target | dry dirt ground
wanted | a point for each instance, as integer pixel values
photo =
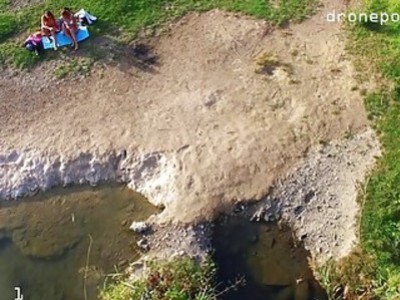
(200, 129)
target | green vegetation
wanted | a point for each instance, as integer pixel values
(73, 67)
(350, 278)
(125, 18)
(7, 26)
(4, 5)
(374, 271)
(182, 279)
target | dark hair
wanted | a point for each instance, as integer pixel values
(66, 12)
(49, 13)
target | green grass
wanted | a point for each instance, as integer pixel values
(125, 18)
(181, 279)
(73, 67)
(4, 4)
(7, 26)
(377, 48)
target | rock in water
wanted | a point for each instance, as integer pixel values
(139, 227)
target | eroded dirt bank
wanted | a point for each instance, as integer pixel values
(200, 129)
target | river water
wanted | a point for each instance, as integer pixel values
(60, 245)
(262, 261)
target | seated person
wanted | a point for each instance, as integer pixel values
(34, 42)
(70, 26)
(50, 26)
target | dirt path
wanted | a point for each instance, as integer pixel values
(197, 131)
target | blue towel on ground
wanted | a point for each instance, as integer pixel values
(63, 40)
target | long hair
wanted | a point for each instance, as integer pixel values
(49, 14)
(66, 13)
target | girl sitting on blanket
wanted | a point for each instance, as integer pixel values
(50, 26)
(70, 26)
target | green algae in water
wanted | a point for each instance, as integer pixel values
(265, 257)
(44, 240)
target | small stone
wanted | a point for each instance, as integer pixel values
(143, 244)
(139, 227)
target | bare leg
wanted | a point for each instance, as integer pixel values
(53, 35)
(75, 40)
(72, 36)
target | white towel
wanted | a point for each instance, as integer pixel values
(84, 14)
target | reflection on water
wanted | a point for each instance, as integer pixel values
(265, 256)
(44, 241)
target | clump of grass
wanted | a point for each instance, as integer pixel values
(73, 67)
(350, 277)
(7, 26)
(14, 55)
(4, 4)
(267, 63)
(181, 279)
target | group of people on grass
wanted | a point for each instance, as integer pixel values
(68, 24)
(50, 26)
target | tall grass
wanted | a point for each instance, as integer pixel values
(181, 279)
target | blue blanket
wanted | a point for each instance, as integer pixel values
(63, 40)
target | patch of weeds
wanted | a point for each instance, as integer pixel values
(350, 277)
(377, 105)
(7, 26)
(4, 4)
(181, 279)
(74, 67)
(16, 56)
(267, 63)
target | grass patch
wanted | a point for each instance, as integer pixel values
(124, 19)
(350, 278)
(11, 54)
(74, 67)
(7, 26)
(182, 279)
(4, 5)
(377, 49)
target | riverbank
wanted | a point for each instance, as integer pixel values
(218, 110)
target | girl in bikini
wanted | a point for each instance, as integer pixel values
(49, 27)
(70, 26)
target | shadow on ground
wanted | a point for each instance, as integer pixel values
(262, 261)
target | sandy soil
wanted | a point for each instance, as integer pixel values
(196, 131)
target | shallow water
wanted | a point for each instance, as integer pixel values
(265, 258)
(45, 241)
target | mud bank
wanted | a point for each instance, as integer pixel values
(318, 198)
